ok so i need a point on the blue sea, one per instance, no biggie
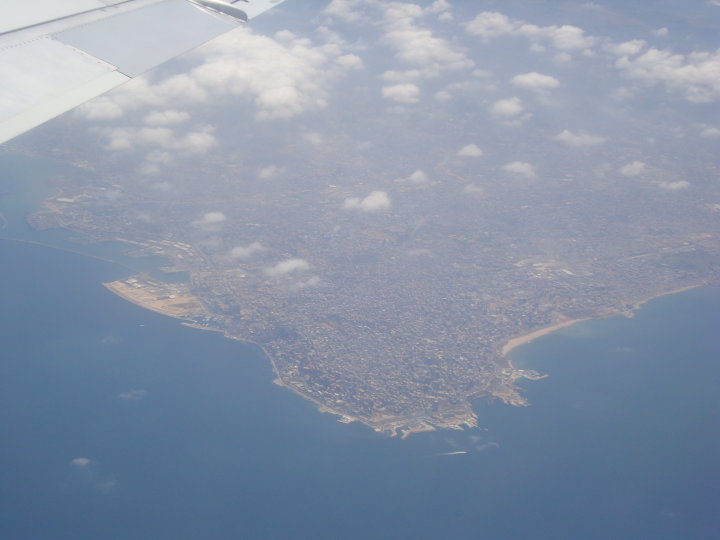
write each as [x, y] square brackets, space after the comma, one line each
[119, 423]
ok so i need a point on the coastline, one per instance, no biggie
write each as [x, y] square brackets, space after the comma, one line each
[524, 339]
[392, 426]
[113, 288]
[637, 305]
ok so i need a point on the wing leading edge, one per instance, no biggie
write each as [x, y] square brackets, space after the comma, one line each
[53, 61]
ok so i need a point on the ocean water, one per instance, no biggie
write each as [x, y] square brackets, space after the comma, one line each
[117, 422]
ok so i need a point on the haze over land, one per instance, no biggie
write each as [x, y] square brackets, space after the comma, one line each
[382, 194]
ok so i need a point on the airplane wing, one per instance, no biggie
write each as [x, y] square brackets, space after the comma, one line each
[58, 54]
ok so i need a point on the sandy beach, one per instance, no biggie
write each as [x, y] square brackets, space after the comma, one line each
[527, 338]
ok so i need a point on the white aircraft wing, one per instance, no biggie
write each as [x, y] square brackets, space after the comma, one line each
[57, 54]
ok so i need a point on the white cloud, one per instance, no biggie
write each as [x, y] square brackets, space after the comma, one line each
[521, 168]
[312, 281]
[377, 200]
[141, 93]
[696, 76]
[418, 46]
[674, 186]
[128, 138]
[710, 132]
[166, 118]
[471, 150]
[133, 395]
[535, 81]
[267, 172]
[413, 43]
[210, 221]
[474, 189]
[119, 139]
[100, 109]
[245, 252]
[402, 93]
[622, 93]
[443, 96]
[418, 177]
[578, 139]
[565, 38]
[344, 10]
[350, 61]
[287, 266]
[660, 32]
[439, 6]
[313, 137]
[402, 27]
[158, 136]
[507, 107]
[153, 160]
[482, 73]
[81, 462]
[285, 36]
[283, 77]
[488, 25]
[627, 48]
[197, 142]
[631, 170]
[491, 24]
